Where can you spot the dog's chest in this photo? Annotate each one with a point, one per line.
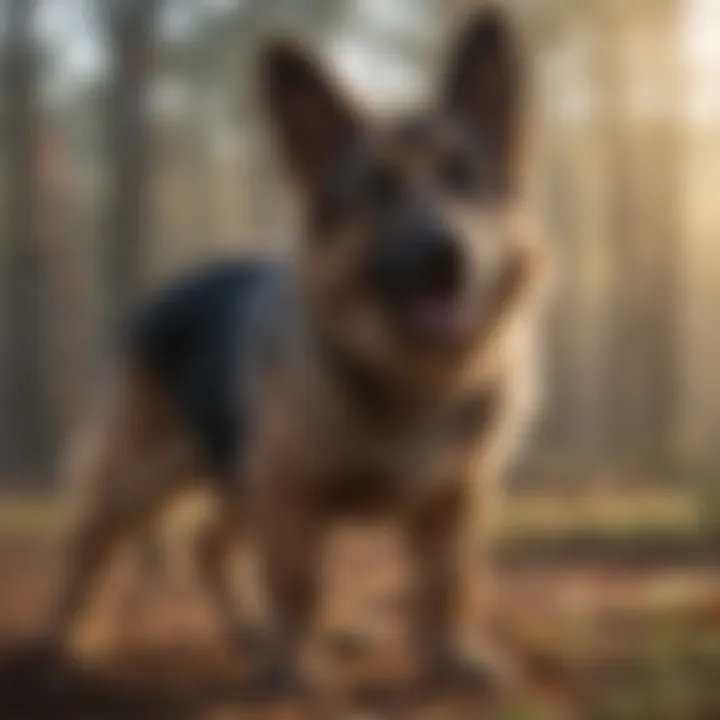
(385, 457)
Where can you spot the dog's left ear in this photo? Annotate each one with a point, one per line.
(484, 85)
(313, 120)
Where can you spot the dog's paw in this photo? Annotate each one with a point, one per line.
(349, 644)
(278, 682)
(249, 639)
(479, 672)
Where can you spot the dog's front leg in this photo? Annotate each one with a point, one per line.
(288, 536)
(450, 546)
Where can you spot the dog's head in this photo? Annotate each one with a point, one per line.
(409, 248)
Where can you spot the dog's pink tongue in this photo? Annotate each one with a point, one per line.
(442, 316)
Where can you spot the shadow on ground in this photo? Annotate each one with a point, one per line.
(187, 683)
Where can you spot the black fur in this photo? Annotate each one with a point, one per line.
(204, 340)
(208, 338)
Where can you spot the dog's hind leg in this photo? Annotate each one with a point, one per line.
(216, 548)
(143, 460)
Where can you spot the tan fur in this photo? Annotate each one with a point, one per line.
(315, 459)
(141, 458)
(314, 455)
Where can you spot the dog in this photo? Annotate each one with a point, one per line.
(384, 368)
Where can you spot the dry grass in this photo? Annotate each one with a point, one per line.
(627, 513)
(606, 643)
(602, 514)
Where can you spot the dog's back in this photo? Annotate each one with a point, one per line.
(202, 341)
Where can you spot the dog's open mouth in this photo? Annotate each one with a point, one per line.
(425, 289)
(437, 306)
(439, 316)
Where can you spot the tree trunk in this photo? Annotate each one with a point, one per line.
(27, 414)
(667, 259)
(645, 181)
(131, 28)
(622, 341)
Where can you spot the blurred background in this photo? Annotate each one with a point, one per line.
(132, 148)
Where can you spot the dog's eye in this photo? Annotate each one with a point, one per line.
(332, 208)
(384, 186)
(327, 215)
(459, 174)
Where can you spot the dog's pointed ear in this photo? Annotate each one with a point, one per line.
(313, 121)
(484, 84)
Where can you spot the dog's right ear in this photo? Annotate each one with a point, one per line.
(313, 121)
(484, 85)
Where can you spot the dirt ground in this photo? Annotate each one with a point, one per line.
(593, 642)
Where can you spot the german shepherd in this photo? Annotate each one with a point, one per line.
(383, 368)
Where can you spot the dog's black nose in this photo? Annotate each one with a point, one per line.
(437, 265)
(426, 263)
